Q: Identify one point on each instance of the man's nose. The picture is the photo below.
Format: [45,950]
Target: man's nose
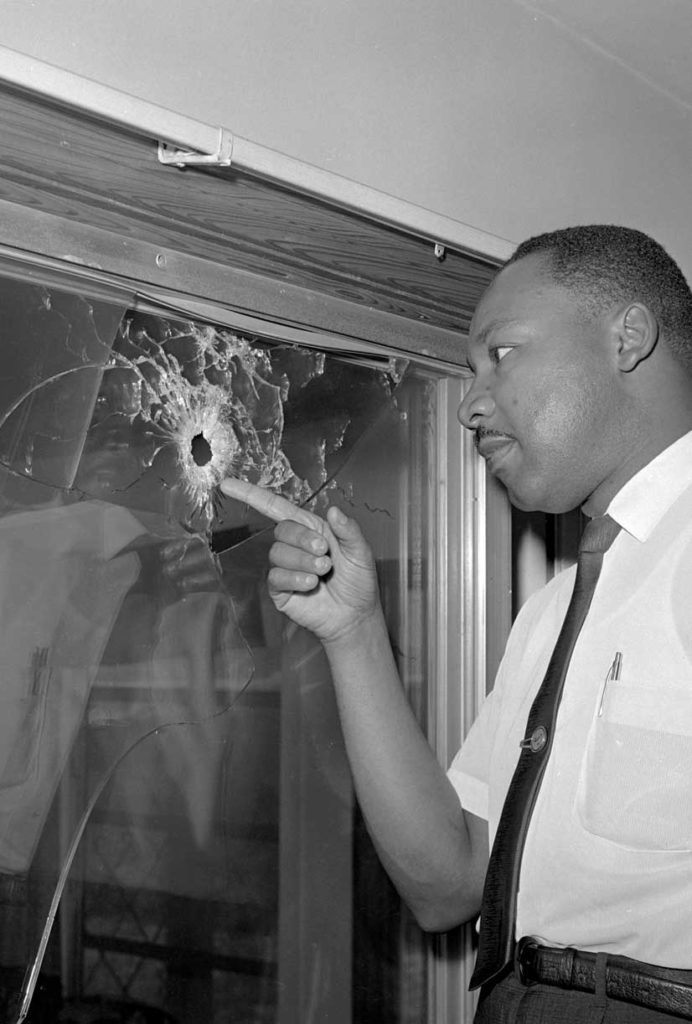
[477,405]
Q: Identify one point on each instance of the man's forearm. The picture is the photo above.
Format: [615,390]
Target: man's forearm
[410,807]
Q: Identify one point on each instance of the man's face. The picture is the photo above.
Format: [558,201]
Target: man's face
[544,404]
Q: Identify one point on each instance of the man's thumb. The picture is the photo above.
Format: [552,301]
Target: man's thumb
[346,530]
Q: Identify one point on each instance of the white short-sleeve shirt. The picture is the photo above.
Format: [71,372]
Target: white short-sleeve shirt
[608,858]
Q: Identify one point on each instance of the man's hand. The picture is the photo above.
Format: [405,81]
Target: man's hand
[323,573]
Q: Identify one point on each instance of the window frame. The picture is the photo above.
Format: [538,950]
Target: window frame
[471,512]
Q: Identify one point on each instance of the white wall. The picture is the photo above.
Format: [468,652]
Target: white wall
[478,109]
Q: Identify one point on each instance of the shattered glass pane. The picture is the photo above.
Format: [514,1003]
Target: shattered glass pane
[158,717]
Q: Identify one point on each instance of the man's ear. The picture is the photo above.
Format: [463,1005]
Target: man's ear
[636,332]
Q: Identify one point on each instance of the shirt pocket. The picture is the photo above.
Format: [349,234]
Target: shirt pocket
[635,783]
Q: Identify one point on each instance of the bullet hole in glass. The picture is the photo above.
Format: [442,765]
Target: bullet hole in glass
[201,450]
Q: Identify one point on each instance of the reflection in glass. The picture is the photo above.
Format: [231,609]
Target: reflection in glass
[178,838]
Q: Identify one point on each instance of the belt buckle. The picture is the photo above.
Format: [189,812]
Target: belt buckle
[525,959]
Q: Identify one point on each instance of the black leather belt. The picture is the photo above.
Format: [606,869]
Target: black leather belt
[657,988]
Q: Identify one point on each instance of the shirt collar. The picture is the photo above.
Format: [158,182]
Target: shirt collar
[642,502]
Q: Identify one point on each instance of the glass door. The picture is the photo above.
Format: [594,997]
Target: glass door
[179,840]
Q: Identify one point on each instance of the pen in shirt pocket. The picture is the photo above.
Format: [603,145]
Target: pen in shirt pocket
[612,676]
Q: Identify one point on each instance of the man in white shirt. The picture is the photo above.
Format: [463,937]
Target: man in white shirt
[581,351]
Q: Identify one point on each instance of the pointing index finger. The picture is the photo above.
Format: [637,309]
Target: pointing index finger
[269,504]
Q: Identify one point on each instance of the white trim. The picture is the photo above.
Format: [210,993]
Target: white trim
[459,683]
[70,90]
[163,125]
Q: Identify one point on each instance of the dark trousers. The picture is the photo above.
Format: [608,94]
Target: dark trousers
[511,1002]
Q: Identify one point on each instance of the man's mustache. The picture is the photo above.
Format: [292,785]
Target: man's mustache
[482,432]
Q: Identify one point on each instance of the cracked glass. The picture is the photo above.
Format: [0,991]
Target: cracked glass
[178,836]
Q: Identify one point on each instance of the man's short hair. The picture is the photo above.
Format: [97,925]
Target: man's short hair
[608,264]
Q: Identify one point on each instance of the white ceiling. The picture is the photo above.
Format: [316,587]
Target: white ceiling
[651,38]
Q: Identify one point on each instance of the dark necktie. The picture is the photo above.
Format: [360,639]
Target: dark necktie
[498,910]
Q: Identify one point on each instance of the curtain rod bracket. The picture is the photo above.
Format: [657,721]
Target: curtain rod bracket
[185,158]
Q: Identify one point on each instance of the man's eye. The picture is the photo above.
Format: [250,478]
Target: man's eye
[500,352]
